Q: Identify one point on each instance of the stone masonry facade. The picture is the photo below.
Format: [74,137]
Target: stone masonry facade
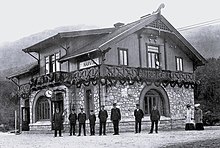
[126,96]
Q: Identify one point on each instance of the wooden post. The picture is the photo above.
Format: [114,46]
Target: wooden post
[15,121]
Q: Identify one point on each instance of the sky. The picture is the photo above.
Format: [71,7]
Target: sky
[21,18]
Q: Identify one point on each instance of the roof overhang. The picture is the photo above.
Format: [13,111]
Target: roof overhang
[60,37]
[27,69]
[65,58]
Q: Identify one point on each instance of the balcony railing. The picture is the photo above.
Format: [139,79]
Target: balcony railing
[111,73]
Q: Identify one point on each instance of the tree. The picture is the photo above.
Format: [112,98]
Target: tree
[208,89]
[8,102]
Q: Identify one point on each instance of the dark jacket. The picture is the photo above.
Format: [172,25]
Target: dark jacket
[115,114]
[138,114]
[73,118]
[103,115]
[155,115]
[58,121]
[198,115]
[82,117]
[92,119]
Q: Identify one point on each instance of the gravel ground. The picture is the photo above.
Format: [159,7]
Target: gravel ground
[213,143]
[172,138]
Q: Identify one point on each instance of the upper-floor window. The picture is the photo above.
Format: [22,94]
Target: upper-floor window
[123,56]
[51,63]
[153,57]
[179,64]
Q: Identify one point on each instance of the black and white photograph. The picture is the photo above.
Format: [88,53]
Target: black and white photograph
[109,73]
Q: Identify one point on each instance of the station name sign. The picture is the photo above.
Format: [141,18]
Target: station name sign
[88,63]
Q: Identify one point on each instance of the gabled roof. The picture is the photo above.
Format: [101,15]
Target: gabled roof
[54,40]
[114,35]
[24,70]
[117,35]
[126,30]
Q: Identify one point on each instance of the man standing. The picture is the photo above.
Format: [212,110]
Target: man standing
[154,117]
[82,122]
[72,119]
[115,118]
[138,114]
[57,122]
[103,115]
[92,119]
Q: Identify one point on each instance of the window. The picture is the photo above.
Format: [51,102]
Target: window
[123,56]
[51,63]
[153,98]
[179,64]
[89,102]
[43,109]
[153,57]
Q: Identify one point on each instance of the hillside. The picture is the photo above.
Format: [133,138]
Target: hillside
[12,52]
[204,39]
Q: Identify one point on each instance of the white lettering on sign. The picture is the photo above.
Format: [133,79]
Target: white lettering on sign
[88,63]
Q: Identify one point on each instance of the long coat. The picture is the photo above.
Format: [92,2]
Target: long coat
[138,115]
[198,115]
[115,114]
[155,115]
[189,115]
[58,121]
[103,115]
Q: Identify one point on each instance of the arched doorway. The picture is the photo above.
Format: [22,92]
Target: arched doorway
[153,95]
[42,110]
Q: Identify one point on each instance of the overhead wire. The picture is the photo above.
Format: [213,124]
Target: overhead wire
[211,22]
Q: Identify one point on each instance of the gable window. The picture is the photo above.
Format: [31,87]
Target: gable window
[153,57]
[51,63]
[123,56]
[179,64]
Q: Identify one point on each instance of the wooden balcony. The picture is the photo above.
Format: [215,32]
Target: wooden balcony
[109,74]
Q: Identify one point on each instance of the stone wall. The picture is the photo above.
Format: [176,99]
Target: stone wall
[126,96]
[179,98]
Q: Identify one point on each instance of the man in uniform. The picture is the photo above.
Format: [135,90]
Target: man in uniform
[138,114]
[154,117]
[115,118]
[72,119]
[82,121]
[58,122]
[103,115]
[92,119]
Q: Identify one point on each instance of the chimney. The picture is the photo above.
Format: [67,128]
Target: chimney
[118,25]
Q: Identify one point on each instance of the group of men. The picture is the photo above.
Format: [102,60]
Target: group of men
[103,115]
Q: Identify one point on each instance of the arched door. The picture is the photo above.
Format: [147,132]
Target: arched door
[155,95]
[42,109]
[153,98]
